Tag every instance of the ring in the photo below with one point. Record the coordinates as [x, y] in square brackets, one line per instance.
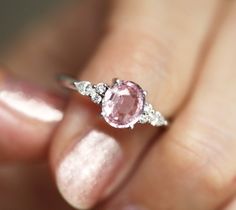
[123, 103]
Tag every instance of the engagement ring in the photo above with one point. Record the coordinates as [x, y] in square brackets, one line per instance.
[123, 103]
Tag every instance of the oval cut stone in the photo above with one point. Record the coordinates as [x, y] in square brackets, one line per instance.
[123, 104]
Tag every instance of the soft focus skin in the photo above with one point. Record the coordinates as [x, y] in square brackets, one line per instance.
[182, 52]
[28, 115]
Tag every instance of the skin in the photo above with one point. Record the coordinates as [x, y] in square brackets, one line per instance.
[183, 54]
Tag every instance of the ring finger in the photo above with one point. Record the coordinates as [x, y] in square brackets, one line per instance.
[193, 165]
[147, 43]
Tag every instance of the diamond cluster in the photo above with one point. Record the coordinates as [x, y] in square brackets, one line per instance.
[96, 92]
[151, 116]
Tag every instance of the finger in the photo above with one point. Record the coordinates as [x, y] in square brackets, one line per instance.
[147, 43]
[193, 165]
[28, 116]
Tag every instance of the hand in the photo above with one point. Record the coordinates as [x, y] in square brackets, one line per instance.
[182, 53]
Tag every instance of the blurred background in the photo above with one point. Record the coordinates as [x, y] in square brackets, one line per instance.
[38, 39]
[17, 15]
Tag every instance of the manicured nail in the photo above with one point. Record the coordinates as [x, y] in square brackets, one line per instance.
[29, 100]
[28, 116]
[88, 168]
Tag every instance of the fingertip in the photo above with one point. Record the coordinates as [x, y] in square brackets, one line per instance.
[28, 116]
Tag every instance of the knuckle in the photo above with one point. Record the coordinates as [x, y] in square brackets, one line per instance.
[141, 53]
[146, 59]
[198, 153]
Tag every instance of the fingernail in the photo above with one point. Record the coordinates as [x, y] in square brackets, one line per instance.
[30, 101]
[28, 116]
[88, 168]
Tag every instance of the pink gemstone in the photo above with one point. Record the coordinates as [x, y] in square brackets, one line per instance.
[123, 104]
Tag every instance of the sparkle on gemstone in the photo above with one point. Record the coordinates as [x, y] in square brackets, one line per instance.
[123, 104]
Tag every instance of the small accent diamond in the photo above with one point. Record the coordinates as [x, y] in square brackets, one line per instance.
[151, 116]
[89, 90]
[157, 119]
[101, 88]
[154, 120]
[148, 109]
[148, 112]
[96, 98]
[144, 118]
[83, 87]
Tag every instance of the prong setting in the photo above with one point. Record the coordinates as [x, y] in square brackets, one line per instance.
[116, 81]
[132, 126]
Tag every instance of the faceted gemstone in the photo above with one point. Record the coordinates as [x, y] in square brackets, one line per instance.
[123, 104]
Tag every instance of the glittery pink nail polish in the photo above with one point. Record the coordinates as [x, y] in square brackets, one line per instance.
[88, 168]
[29, 100]
[28, 116]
